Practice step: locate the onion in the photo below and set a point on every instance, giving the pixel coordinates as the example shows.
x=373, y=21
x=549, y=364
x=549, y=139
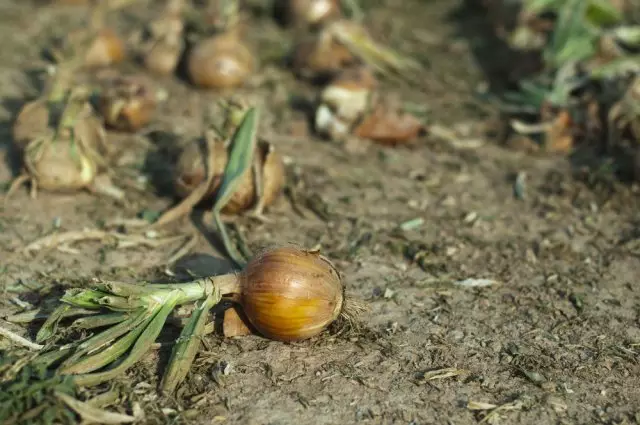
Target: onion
x=190, y=172
x=289, y=294
x=221, y=61
x=69, y=155
x=59, y=165
x=127, y=104
x=32, y=122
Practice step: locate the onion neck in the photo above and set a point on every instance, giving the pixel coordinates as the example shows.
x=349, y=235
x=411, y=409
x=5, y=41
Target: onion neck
x=226, y=284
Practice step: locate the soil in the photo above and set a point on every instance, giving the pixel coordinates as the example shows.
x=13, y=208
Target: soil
x=554, y=338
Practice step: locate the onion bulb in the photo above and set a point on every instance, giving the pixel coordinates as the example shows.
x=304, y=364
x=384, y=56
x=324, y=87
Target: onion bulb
x=127, y=104
x=349, y=105
x=59, y=165
x=38, y=119
x=34, y=118
x=221, y=61
x=287, y=293
x=343, y=43
x=190, y=172
x=270, y=167
x=71, y=153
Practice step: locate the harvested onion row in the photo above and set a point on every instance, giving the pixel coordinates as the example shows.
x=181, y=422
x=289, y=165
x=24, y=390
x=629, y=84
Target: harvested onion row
x=286, y=294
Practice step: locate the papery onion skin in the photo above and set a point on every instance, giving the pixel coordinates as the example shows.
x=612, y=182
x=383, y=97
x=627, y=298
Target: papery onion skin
x=31, y=122
x=128, y=104
x=290, y=294
x=220, y=62
x=190, y=169
x=56, y=169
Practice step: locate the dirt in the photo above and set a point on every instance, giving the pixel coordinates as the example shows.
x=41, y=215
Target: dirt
x=554, y=338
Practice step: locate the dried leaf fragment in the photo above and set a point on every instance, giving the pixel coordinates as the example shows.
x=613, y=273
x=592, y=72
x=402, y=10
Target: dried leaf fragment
x=388, y=127
x=93, y=414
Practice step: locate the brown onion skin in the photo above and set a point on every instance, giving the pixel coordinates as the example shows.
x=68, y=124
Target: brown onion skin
x=290, y=294
x=272, y=169
x=190, y=172
x=56, y=169
x=190, y=169
x=273, y=173
x=138, y=104
x=220, y=62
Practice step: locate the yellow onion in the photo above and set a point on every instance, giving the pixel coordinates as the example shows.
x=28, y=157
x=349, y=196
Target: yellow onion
x=127, y=104
x=221, y=61
x=163, y=56
x=190, y=172
x=38, y=119
x=72, y=154
x=343, y=43
x=290, y=294
x=59, y=165
x=388, y=127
